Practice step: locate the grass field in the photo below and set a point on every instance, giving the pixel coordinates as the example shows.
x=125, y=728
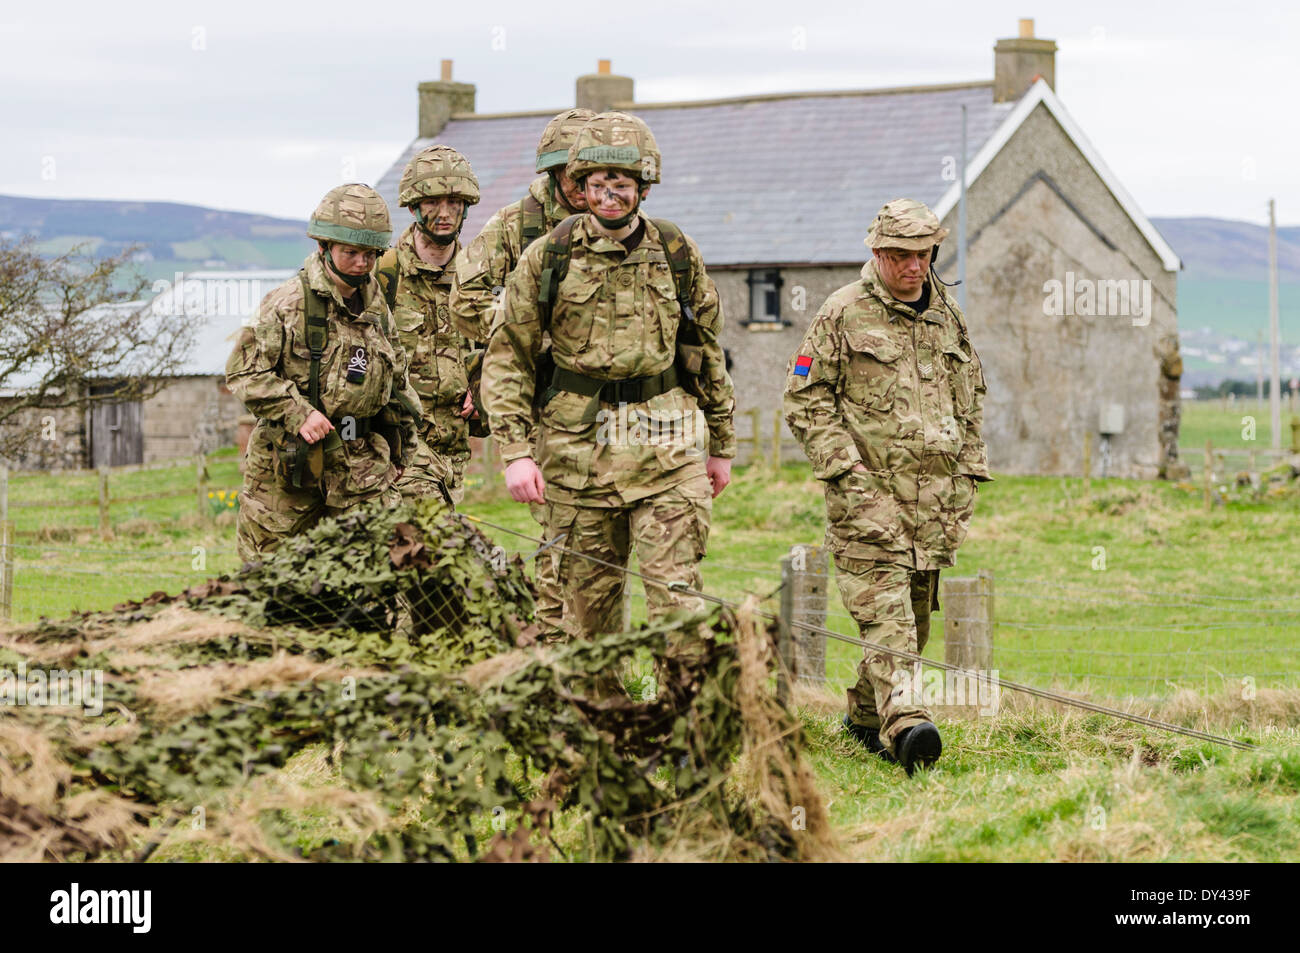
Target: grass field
x=1189, y=603
x=1223, y=423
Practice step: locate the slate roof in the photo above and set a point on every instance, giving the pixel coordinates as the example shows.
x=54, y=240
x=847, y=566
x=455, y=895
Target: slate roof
x=763, y=180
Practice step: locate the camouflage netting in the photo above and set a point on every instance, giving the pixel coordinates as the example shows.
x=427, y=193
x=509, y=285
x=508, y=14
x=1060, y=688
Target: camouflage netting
x=375, y=691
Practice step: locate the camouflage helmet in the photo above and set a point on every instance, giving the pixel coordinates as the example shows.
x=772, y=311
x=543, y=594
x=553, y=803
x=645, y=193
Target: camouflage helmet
x=435, y=172
x=906, y=224
x=352, y=214
x=615, y=141
x=558, y=135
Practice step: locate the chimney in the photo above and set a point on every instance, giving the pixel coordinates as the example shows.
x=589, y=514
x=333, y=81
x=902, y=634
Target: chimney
x=438, y=100
x=1018, y=62
x=599, y=91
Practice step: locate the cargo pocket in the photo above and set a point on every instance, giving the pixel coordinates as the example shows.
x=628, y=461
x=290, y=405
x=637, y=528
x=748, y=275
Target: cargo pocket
x=862, y=508
x=413, y=340
x=661, y=331
x=871, y=378
x=960, y=374
x=672, y=424
x=565, y=443
x=572, y=309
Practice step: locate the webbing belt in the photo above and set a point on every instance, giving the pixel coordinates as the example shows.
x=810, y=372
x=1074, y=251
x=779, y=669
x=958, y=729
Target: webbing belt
x=630, y=391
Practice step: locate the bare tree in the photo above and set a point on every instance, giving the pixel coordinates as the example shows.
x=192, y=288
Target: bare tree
x=73, y=333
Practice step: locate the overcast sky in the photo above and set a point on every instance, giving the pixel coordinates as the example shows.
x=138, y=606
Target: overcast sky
x=262, y=107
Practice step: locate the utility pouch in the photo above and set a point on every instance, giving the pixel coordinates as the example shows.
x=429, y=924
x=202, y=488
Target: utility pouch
x=295, y=462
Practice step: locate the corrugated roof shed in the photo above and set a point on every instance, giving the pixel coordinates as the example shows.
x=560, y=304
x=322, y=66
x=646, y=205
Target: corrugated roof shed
x=762, y=180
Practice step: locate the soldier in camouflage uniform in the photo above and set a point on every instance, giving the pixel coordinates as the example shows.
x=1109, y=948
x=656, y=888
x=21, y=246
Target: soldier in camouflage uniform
x=481, y=269
x=438, y=186
x=479, y=285
x=613, y=468
x=328, y=441
x=886, y=395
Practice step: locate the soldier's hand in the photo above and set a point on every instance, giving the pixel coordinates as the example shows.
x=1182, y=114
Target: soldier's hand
x=468, y=410
x=315, y=427
x=719, y=471
x=524, y=481
x=860, y=467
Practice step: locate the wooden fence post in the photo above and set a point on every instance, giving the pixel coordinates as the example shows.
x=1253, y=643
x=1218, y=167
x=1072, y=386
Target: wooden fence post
x=6, y=551
x=6, y=570
x=489, y=463
x=104, y=531
x=776, y=439
x=201, y=484
x=968, y=643
x=756, y=435
x=809, y=581
x=968, y=620
x=1087, y=464
x=785, y=637
x=1209, y=472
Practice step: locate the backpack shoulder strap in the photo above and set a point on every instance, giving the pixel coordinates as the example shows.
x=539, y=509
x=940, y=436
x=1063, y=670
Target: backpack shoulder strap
x=532, y=221
x=316, y=324
x=678, y=253
x=388, y=277
x=555, y=265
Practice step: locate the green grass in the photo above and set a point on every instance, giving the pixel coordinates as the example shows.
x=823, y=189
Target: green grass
x=1061, y=788
x=1223, y=423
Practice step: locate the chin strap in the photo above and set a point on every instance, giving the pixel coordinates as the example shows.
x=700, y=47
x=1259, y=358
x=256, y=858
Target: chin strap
x=617, y=223
x=352, y=281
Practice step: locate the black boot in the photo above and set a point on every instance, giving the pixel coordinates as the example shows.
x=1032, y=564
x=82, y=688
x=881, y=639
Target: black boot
x=918, y=746
x=870, y=738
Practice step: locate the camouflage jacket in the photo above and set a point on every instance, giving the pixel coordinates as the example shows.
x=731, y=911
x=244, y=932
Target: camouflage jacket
x=270, y=369
x=615, y=317
x=435, y=350
x=901, y=393
x=483, y=265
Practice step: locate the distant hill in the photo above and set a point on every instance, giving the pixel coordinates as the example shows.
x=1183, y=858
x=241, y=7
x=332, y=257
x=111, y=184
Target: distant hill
x=1223, y=285
x=173, y=237
x=1216, y=249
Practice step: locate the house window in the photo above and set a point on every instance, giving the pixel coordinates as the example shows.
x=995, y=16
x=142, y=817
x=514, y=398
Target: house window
x=764, y=297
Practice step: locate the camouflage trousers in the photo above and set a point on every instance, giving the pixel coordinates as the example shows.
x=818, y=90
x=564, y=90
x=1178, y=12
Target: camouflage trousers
x=433, y=473
x=270, y=512
x=550, y=600
x=891, y=604
x=670, y=531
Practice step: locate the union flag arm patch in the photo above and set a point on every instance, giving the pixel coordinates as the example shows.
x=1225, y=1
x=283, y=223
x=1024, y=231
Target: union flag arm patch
x=802, y=365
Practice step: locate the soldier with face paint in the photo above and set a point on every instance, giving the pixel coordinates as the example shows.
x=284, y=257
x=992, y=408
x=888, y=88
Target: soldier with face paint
x=633, y=440
x=438, y=186
x=478, y=288
x=886, y=394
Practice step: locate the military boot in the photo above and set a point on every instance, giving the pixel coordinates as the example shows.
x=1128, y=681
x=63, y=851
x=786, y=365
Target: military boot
x=918, y=746
x=869, y=738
